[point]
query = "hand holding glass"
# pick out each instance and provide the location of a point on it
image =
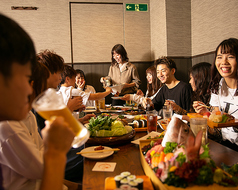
(49, 104)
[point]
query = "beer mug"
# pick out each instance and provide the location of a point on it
(49, 104)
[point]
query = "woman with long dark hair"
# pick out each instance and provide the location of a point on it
(200, 76)
(153, 86)
(123, 72)
(81, 84)
(224, 87)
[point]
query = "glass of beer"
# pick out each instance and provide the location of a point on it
(151, 121)
(50, 104)
(101, 103)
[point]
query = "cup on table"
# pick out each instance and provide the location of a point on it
(197, 124)
(167, 113)
(50, 104)
(101, 103)
(151, 121)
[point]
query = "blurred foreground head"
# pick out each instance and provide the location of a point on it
(17, 59)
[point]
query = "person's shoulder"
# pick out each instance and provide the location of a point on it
(184, 85)
(129, 64)
(9, 128)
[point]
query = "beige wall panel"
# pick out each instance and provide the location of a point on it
(178, 19)
(48, 26)
(137, 35)
(212, 22)
(158, 28)
(96, 28)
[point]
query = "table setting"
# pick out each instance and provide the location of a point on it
(129, 157)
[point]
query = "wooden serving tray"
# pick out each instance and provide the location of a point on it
(111, 185)
(159, 185)
(211, 124)
(232, 123)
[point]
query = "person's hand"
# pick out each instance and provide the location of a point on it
(108, 89)
(193, 146)
(102, 79)
(85, 119)
(126, 85)
(81, 85)
(125, 97)
(174, 106)
(76, 103)
(139, 92)
(57, 136)
(147, 101)
(199, 107)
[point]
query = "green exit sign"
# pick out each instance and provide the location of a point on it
(136, 7)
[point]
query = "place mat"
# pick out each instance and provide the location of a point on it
(110, 183)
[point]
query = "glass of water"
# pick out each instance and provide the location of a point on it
(167, 113)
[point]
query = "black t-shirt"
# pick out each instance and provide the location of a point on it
(180, 94)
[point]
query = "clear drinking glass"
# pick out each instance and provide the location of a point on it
(198, 124)
(167, 113)
(49, 104)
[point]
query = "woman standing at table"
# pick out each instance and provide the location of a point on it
(122, 71)
(153, 86)
(81, 84)
(224, 87)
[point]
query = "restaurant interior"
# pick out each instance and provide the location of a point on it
(83, 32)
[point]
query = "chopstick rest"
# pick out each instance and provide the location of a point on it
(96, 151)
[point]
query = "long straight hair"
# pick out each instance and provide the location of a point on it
(201, 73)
(156, 84)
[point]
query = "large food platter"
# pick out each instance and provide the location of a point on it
(159, 185)
(111, 141)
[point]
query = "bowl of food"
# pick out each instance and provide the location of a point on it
(107, 130)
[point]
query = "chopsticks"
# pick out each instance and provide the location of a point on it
(204, 106)
(96, 151)
(229, 175)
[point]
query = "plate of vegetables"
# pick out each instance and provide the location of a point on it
(107, 130)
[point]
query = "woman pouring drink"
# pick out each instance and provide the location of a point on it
(122, 71)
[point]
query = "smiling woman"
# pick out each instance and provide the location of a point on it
(224, 86)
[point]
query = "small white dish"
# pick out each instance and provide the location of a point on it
(110, 111)
(90, 108)
(116, 97)
(159, 122)
(89, 111)
(96, 155)
(151, 135)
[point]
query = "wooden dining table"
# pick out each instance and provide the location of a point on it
(128, 159)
